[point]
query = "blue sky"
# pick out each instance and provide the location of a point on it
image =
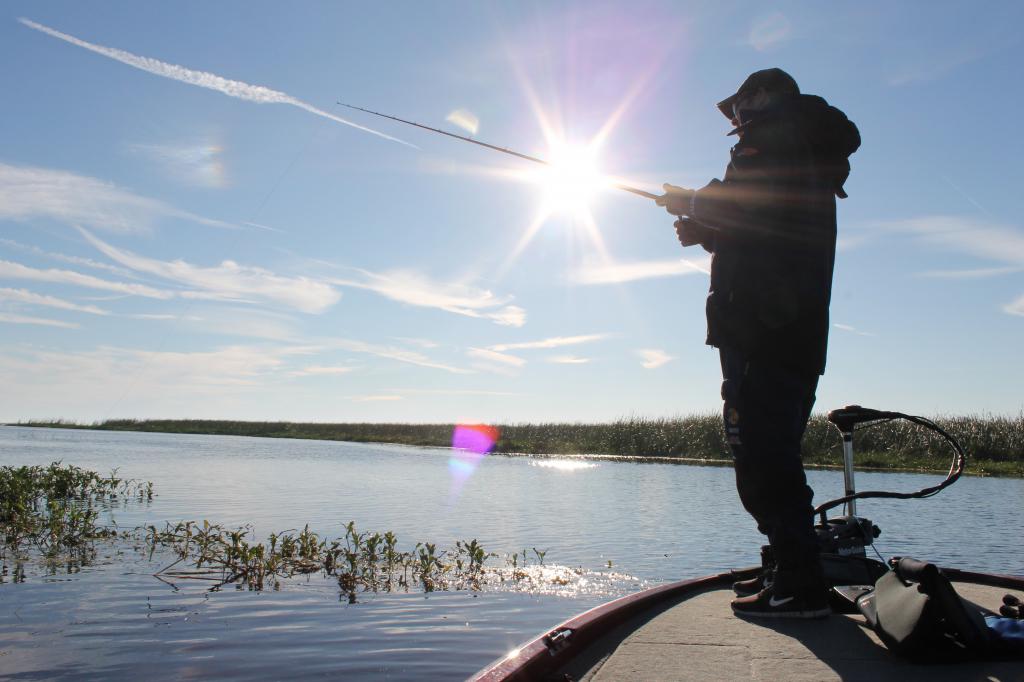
(190, 228)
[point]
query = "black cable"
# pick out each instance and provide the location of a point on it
(955, 470)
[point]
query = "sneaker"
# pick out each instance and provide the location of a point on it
(766, 604)
(746, 588)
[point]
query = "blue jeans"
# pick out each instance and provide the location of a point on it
(766, 411)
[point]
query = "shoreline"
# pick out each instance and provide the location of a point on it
(521, 445)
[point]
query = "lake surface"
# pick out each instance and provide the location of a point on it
(654, 522)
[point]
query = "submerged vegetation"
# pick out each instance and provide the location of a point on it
(995, 445)
(52, 512)
(359, 562)
(51, 516)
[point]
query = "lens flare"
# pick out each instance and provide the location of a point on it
(572, 180)
(470, 443)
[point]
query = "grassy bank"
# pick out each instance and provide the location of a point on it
(994, 444)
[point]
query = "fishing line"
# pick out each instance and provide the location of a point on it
(493, 147)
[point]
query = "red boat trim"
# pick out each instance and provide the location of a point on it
(550, 651)
(1010, 582)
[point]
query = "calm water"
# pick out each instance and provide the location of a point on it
(655, 522)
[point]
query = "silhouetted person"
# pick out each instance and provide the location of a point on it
(770, 226)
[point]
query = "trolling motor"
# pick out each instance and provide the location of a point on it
(844, 539)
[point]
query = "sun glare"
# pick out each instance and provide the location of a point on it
(571, 181)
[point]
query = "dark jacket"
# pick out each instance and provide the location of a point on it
(771, 227)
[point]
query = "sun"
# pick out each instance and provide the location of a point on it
(571, 180)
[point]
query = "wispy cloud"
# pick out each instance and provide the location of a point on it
(553, 342)
(450, 391)
(976, 237)
(495, 356)
(12, 270)
(26, 297)
(936, 63)
(568, 360)
(414, 341)
(769, 31)
(321, 370)
(27, 192)
(466, 120)
(416, 289)
(652, 358)
(191, 164)
(973, 273)
(42, 321)
(74, 260)
(375, 398)
(392, 353)
(852, 330)
(232, 88)
(229, 280)
(617, 273)
(1016, 307)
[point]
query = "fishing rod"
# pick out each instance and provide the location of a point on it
(503, 150)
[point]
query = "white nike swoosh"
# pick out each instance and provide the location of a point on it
(779, 602)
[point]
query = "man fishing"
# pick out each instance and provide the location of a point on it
(770, 226)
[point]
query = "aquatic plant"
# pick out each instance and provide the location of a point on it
(358, 561)
(53, 512)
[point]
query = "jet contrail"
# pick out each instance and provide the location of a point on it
(238, 89)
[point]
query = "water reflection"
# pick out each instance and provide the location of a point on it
(655, 522)
(563, 464)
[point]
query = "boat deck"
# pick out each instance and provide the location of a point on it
(699, 638)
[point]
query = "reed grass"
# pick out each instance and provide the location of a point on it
(994, 444)
(52, 513)
(358, 561)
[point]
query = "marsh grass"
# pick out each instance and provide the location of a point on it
(995, 445)
(358, 561)
(52, 512)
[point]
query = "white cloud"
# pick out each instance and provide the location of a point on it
(18, 271)
(568, 360)
(229, 280)
(495, 356)
(375, 398)
(466, 120)
(27, 192)
(184, 373)
(851, 329)
(320, 370)
(1015, 307)
(652, 358)
(973, 273)
(553, 342)
(26, 297)
(202, 79)
(770, 31)
(74, 260)
(975, 237)
(617, 273)
(42, 321)
(452, 391)
(415, 289)
(392, 353)
(413, 341)
(190, 164)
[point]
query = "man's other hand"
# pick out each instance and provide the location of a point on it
(690, 232)
(676, 200)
